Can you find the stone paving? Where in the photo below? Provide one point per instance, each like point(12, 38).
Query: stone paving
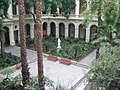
point(87, 60)
point(59, 73)
point(1, 78)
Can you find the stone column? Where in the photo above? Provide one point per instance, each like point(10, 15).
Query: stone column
point(48, 28)
point(32, 31)
point(87, 35)
point(76, 30)
point(66, 30)
point(17, 9)
point(18, 36)
point(10, 11)
point(11, 34)
point(77, 9)
point(57, 30)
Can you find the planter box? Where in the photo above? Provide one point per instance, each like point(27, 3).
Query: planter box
point(65, 61)
point(18, 66)
point(52, 58)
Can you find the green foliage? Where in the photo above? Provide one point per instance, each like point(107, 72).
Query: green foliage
point(105, 71)
point(50, 6)
point(9, 61)
point(1, 26)
point(8, 71)
point(4, 5)
point(30, 42)
point(116, 42)
point(71, 48)
point(107, 11)
point(67, 7)
point(15, 84)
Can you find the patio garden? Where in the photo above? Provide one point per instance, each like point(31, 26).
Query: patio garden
point(71, 48)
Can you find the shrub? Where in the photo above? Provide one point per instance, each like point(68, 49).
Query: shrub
point(72, 48)
point(9, 60)
point(105, 71)
point(15, 84)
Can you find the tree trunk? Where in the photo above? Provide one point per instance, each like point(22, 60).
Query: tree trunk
point(25, 69)
point(99, 23)
point(33, 15)
point(2, 45)
point(75, 53)
point(39, 44)
point(34, 27)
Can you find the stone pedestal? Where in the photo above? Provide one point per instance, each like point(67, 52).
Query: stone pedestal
point(59, 47)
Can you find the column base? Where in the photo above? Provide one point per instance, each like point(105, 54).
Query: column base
point(66, 36)
point(57, 36)
point(12, 43)
point(87, 40)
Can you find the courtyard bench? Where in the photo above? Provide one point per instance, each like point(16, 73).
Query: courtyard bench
point(52, 58)
point(65, 61)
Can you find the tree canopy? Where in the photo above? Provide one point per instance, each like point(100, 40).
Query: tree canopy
point(108, 12)
point(105, 71)
point(50, 6)
point(4, 5)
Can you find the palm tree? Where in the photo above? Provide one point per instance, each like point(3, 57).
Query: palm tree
point(25, 69)
point(39, 34)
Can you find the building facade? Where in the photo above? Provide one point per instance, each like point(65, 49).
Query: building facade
point(57, 26)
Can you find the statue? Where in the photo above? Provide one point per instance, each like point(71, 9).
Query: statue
point(58, 47)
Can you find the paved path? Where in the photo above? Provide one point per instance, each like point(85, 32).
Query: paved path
point(31, 55)
point(59, 73)
point(87, 60)
point(1, 78)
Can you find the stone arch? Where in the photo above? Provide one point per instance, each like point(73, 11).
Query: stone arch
point(93, 32)
point(61, 29)
point(44, 28)
point(52, 29)
point(71, 30)
point(27, 28)
point(7, 36)
point(82, 32)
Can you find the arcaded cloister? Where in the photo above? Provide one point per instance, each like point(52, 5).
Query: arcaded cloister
point(56, 26)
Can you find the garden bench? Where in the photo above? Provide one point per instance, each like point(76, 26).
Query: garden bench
point(52, 58)
point(65, 61)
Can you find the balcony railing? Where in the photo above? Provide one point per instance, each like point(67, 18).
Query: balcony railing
point(46, 16)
